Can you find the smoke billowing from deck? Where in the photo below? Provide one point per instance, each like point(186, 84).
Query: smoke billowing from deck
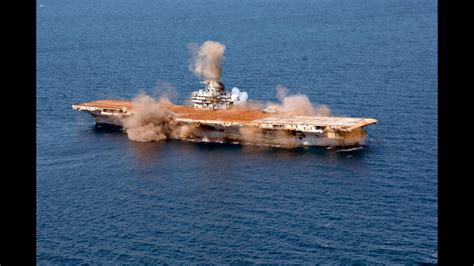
point(206, 59)
point(152, 121)
point(297, 104)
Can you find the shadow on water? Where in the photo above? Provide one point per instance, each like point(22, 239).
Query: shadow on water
point(228, 149)
point(273, 150)
point(149, 151)
point(93, 133)
point(106, 129)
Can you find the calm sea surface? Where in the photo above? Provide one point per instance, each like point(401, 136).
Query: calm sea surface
point(104, 199)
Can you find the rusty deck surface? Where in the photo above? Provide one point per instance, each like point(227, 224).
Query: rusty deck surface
point(183, 111)
point(239, 115)
point(231, 115)
point(108, 104)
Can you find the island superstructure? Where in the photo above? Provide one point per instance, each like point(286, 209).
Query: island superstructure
point(216, 116)
point(214, 96)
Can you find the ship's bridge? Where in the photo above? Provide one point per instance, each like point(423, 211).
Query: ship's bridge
point(213, 96)
point(214, 86)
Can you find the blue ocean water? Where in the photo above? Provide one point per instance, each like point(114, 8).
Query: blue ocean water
point(104, 199)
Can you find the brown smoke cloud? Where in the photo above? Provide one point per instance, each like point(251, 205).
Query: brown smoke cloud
point(152, 121)
point(206, 59)
point(165, 91)
point(297, 104)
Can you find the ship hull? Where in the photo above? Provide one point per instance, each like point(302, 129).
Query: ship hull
point(244, 126)
point(276, 137)
point(108, 120)
point(257, 136)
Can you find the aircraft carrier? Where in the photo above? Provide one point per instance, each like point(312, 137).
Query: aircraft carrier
point(216, 116)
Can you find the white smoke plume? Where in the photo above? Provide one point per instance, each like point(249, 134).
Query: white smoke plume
point(239, 97)
point(206, 59)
